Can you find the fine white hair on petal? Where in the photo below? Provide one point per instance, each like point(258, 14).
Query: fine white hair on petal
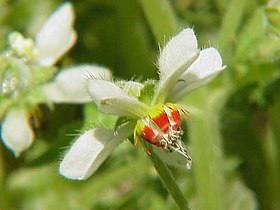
point(90, 150)
point(16, 131)
point(174, 159)
point(69, 85)
point(202, 71)
point(168, 82)
point(111, 99)
point(56, 36)
point(177, 51)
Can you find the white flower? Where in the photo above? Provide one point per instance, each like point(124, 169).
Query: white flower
point(183, 68)
point(53, 40)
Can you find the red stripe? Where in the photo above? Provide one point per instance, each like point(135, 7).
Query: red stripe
point(162, 122)
point(176, 117)
point(149, 135)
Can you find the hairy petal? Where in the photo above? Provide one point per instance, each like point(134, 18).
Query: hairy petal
point(16, 131)
point(56, 36)
point(202, 71)
point(90, 150)
point(69, 85)
point(110, 99)
point(177, 52)
point(175, 58)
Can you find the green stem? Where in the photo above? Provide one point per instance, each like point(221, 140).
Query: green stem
point(230, 23)
point(206, 150)
point(271, 146)
point(161, 17)
point(2, 177)
point(169, 182)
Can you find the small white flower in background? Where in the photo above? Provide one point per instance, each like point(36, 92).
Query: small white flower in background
point(183, 68)
point(27, 68)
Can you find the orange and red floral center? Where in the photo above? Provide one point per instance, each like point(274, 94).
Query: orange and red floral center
point(162, 127)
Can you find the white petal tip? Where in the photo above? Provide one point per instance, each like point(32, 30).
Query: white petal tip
point(90, 150)
point(57, 35)
point(177, 51)
point(16, 132)
point(87, 154)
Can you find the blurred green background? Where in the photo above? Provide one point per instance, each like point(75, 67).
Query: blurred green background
point(234, 134)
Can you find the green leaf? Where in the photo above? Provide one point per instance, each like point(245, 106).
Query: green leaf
point(161, 18)
point(250, 37)
point(245, 128)
point(4, 106)
point(271, 92)
point(239, 196)
point(273, 16)
point(230, 23)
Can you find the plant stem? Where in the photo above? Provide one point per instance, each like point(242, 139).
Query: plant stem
point(2, 177)
point(169, 182)
point(161, 17)
point(206, 150)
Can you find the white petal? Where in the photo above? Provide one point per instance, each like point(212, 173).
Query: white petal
point(110, 99)
point(177, 52)
point(56, 36)
point(90, 150)
point(202, 71)
point(174, 159)
point(16, 132)
point(167, 83)
point(69, 85)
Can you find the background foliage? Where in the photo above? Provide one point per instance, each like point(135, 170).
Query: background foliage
point(234, 135)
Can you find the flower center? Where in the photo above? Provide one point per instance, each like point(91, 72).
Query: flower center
point(162, 128)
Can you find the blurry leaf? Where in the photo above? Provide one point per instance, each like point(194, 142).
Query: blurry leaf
point(4, 106)
point(244, 127)
point(256, 73)
point(161, 18)
point(240, 197)
point(113, 34)
point(250, 37)
point(57, 130)
point(271, 92)
point(269, 48)
point(272, 98)
point(273, 15)
point(28, 15)
point(230, 23)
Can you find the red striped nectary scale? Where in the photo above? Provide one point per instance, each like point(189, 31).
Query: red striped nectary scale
point(162, 125)
point(162, 128)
